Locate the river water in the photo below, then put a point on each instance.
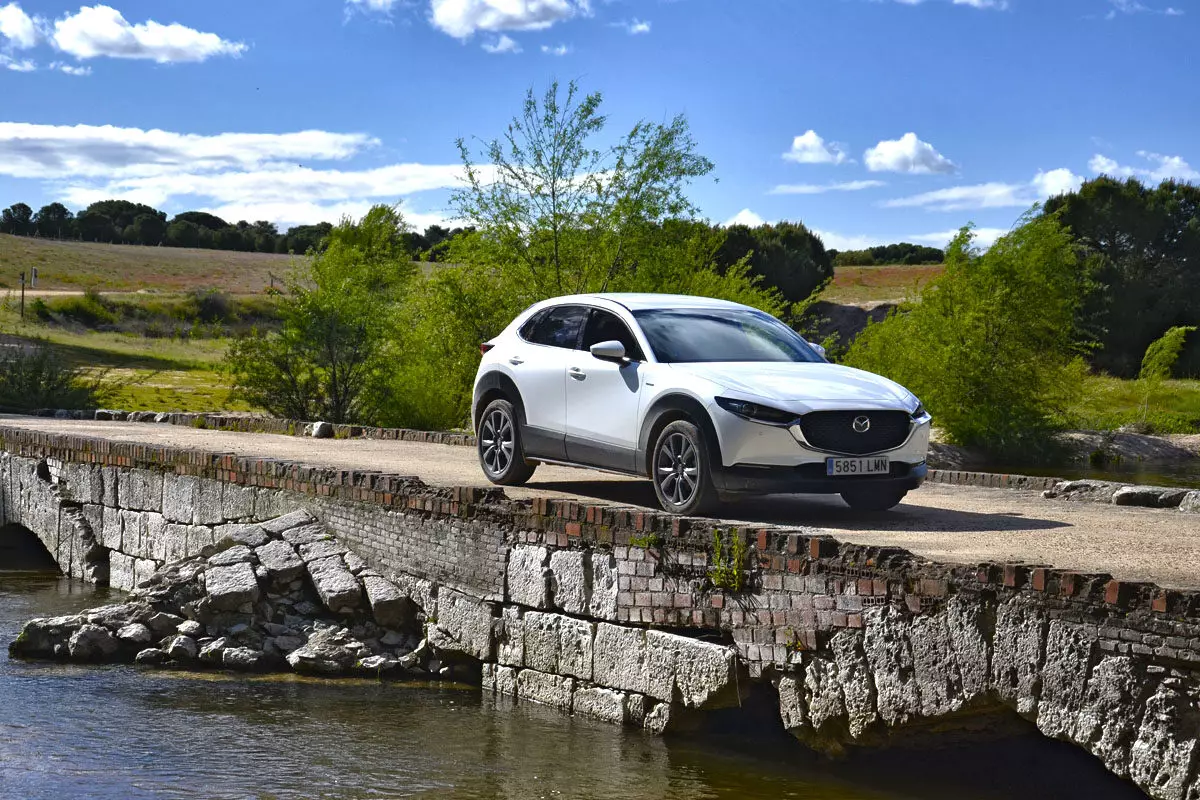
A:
(124, 732)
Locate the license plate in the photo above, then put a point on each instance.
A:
(838, 467)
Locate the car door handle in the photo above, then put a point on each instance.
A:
(577, 373)
(516, 362)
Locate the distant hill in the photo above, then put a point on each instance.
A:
(120, 267)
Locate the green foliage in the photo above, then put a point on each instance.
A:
(902, 253)
(89, 310)
(1141, 247)
(650, 541)
(1158, 363)
(36, 377)
(787, 255)
(990, 348)
(328, 359)
(727, 570)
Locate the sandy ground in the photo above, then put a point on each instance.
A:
(944, 523)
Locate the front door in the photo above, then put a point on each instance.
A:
(603, 398)
(540, 370)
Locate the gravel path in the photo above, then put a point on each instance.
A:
(944, 523)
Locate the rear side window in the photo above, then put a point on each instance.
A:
(604, 327)
(555, 327)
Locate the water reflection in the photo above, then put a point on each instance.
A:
(124, 732)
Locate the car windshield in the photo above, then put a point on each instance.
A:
(689, 335)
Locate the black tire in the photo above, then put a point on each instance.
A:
(498, 438)
(681, 469)
(873, 499)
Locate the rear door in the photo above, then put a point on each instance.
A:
(539, 367)
(603, 397)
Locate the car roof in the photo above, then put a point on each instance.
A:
(638, 301)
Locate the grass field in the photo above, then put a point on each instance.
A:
(115, 267)
(854, 285)
(1108, 403)
(144, 374)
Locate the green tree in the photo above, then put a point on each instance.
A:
(787, 255)
(328, 361)
(54, 221)
(991, 345)
(17, 219)
(1142, 248)
(182, 233)
(203, 219)
(148, 229)
(1159, 362)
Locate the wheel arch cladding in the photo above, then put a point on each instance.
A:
(669, 409)
(497, 386)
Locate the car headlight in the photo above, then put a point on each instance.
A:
(755, 412)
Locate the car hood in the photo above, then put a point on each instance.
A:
(814, 386)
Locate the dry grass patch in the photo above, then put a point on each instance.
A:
(879, 283)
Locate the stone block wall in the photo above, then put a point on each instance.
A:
(619, 613)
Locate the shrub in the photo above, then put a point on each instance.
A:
(35, 377)
(89, 310)
(990, 346)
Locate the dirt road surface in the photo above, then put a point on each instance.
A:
(944, 523)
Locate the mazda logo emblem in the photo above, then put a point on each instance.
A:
(862, 424)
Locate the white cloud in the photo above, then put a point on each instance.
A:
(810, 148)
(999, 5)
(462, 18)
(102, 31)
(1135, 7)
(503, 44)
(380, 6)
(18, 28)
(984, 237)
(907, 154)
(287, 214)
(745, 217)
(17, 65)
(71, 69)
(636, 26)
(560, 50)
(1165, 168)
(276, 184)
(838, 241)
(992, 195)
(822, 188)
(63, 151)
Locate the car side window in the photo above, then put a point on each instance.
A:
(604, 326)
(556, 327)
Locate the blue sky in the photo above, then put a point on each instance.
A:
(869, 120)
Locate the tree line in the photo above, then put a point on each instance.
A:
(903, 253)
(125, 222)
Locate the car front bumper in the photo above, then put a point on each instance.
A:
(805, 480)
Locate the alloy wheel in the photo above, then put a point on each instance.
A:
(677, 468)
(496, 439)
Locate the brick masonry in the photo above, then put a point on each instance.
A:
(614, 611)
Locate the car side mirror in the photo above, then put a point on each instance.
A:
(820, 350)
(608, 351)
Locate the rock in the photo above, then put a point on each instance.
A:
(238, 554)
(135, 633)
(243, 659)
(528, 576)
(568, 569)
(1148, 496)
(92, 643)
(322, 430)
(189, 627)
(286, 644)
(250, 535)
(324, 548)
(464, 625)
(288, 521)
(600, 703)
(151, 655)
(335, 583)
(393, 639)
(280, 559)
(182, 648)
(162, 623)
(389, 607)
(45, 637)
(1096, 491)
(231, 586)
(376, 665)
(355, 563)
(162, 417)
(306, 534)
(329, 651)
(1190, 503)
(118, 616)
(550, 690)
(212, 652)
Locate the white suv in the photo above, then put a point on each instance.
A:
(709, 399)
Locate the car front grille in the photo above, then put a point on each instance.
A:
(841, 431)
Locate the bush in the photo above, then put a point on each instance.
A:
(89, 310)
(990, 346)
(35, 377)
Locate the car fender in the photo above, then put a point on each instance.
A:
(672, 402)
(492, 380)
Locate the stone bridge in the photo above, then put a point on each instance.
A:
(653, 620)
